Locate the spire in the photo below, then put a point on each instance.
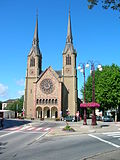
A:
(69, 30)
(35, 38)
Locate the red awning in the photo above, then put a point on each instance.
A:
(90, 105)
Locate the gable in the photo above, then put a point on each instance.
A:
(48, 84)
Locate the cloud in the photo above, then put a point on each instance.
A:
(3, 90)
(21, 93)
(20, 82)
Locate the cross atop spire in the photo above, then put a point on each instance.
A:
(69, 30)
(35, 38)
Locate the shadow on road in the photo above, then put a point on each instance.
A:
(8, 123)
(2, 147)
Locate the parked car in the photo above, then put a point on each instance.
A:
(69, 119)
(108, 119)
(98, 118)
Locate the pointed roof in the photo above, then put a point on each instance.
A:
(69, 39)
(35, 43)
(35, 38)
(69, 30)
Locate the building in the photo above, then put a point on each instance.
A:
(9, 101)
(7, 114)
(50, 93)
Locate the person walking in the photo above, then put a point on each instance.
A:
(1, 121)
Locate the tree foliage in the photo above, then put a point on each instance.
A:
(17, 106)
(113, 4)
(107, 87)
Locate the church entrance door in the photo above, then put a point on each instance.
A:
(56, 114)
(48, 113)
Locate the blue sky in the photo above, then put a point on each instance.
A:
(96, 36)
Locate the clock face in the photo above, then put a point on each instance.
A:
(47, 86)
(68, 70)
(32, 72)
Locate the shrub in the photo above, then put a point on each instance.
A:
(68, 128)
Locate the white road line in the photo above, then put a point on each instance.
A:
(110, 133)
(29, 129)
(46, 129)
(41, 136)
(25, 127)
(13, 128)
(102, 140)
(8, 134)
(38, 129)
(116, 136)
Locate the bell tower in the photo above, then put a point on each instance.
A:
(34, 69)
(69, 74)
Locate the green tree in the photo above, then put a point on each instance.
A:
(113, 4)
(13, 106)
(107, 87)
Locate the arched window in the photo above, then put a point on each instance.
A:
(43, 101)
(40, 101)
(52, 101)
(37, 101)
(46, 101)
(55, 101)
(68, 60)
(32, 62)
(49, 101)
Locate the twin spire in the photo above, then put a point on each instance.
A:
(69, 31)
(69, 38)
(35, 38)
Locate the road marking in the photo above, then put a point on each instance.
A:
(38, 129)
(111, 133)
(8, 134)
(14, 128)
(24, 127)
(102, 140)
(46, 129)
(41, 136)
(116, 136)
(29, 129)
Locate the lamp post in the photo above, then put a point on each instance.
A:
(92, 71)
(81, 67)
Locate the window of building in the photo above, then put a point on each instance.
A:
(55, 101)
(68, 60)
(52, 101)
(32, 62)
(37, 101)
(40, 101)
(46, 101)
(43, 101)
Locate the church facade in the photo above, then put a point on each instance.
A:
(50, 93)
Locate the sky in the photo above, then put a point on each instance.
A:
(96, 36)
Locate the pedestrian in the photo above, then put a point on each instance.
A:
(1, 120)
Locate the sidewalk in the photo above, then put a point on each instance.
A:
(85, 129)
(114, 155)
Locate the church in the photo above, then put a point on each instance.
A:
(50, 93)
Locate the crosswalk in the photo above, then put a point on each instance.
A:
(112, 134)
(28, 129)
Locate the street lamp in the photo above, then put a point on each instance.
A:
(81, 67)
(92, 71)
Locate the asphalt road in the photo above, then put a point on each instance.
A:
(32, 145)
